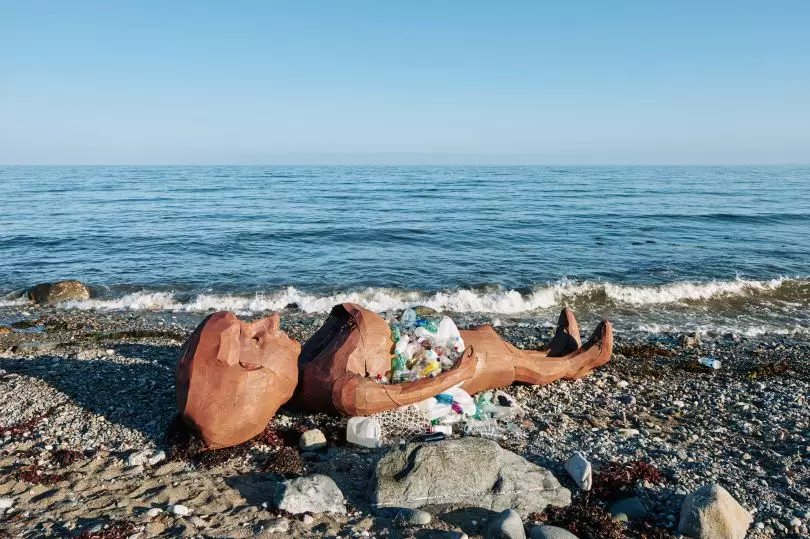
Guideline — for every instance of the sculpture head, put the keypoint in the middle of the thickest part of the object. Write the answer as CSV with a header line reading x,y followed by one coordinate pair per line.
x,y
233,376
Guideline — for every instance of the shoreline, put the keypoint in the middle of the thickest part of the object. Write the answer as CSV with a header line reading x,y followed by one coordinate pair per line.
x,y
99,386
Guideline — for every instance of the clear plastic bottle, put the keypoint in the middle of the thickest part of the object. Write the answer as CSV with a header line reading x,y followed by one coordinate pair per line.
x,y
408,319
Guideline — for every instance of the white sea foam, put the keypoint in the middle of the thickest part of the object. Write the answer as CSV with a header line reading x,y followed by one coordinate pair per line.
x,y
498,301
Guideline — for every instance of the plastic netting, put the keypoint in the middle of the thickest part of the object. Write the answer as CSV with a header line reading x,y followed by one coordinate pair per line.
x,y
404,423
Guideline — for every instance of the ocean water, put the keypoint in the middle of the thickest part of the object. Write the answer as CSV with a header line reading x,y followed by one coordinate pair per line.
x,y
653,248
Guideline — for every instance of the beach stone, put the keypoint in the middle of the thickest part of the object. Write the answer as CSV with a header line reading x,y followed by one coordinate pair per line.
x,y
423,311
6,503
312,494
711,512
153,512
4,330
550,532
689,340
468,472
50,293
580,470
628,509
307,519
312,440
147,456
35,346
267,527
179,510
416,517
506,525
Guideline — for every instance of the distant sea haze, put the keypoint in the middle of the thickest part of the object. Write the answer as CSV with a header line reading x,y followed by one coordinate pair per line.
x,y
654,248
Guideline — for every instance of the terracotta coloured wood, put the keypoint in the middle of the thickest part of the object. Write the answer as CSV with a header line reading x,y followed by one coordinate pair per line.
x,y
339,363
232,377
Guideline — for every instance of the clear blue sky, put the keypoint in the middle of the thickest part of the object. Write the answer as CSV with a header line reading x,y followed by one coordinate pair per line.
x,y
404,82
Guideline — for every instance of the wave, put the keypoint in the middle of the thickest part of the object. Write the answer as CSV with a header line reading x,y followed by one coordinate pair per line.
x,y
487,300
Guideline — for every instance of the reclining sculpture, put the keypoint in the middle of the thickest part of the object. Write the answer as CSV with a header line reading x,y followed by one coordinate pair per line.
x,y
339,364
232,377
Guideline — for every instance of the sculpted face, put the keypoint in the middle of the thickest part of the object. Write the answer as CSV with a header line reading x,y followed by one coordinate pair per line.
x,y
232,377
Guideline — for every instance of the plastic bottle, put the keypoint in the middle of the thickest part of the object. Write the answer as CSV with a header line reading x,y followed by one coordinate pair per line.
x,y
486,429
446,331
431,368
401,348
408,319
444,398
364,431
395,333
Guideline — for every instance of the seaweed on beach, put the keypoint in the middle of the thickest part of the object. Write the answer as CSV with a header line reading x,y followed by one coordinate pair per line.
x,y
66,457
114,530
643,351
769,370
18,429
185,445
284,461
694,367
584,518
139,334
617,481
36,475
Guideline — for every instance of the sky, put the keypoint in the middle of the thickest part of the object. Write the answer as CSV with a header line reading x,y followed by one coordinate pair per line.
x,y
408,82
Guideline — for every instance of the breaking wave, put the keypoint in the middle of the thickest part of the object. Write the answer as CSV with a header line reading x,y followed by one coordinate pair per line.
x,y
487,300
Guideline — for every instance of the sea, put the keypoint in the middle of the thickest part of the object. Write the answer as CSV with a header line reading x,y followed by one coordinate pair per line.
x,y
655,249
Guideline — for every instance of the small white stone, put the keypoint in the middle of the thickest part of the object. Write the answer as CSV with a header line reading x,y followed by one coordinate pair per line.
x,y
180,510
308,519
621,384
312,440
155,511
6,503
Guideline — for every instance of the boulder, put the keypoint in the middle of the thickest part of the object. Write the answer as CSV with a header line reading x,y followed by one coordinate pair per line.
x,y
50,293
311,494
506,525
711,512
468,472
551,532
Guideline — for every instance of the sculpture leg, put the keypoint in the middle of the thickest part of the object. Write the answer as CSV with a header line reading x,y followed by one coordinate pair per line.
x,y
534,367
566,339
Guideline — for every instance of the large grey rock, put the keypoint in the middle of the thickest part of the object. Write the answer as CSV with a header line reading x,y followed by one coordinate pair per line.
x,y
712,513
506,525
550,532
469,472
311,494
50,293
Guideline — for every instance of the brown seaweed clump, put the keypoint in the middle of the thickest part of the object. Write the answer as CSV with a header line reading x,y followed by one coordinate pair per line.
x,y
617,481
185,445
120,529
583,518
36,475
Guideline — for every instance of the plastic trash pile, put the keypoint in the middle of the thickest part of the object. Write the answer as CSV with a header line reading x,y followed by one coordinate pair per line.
x,y
423,348
454,411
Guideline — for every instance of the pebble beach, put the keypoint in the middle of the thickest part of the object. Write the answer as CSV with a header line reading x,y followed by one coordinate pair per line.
x,y
87,413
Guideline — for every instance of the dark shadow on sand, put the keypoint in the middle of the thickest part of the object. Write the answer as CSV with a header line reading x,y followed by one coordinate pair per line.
x,y
139,395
